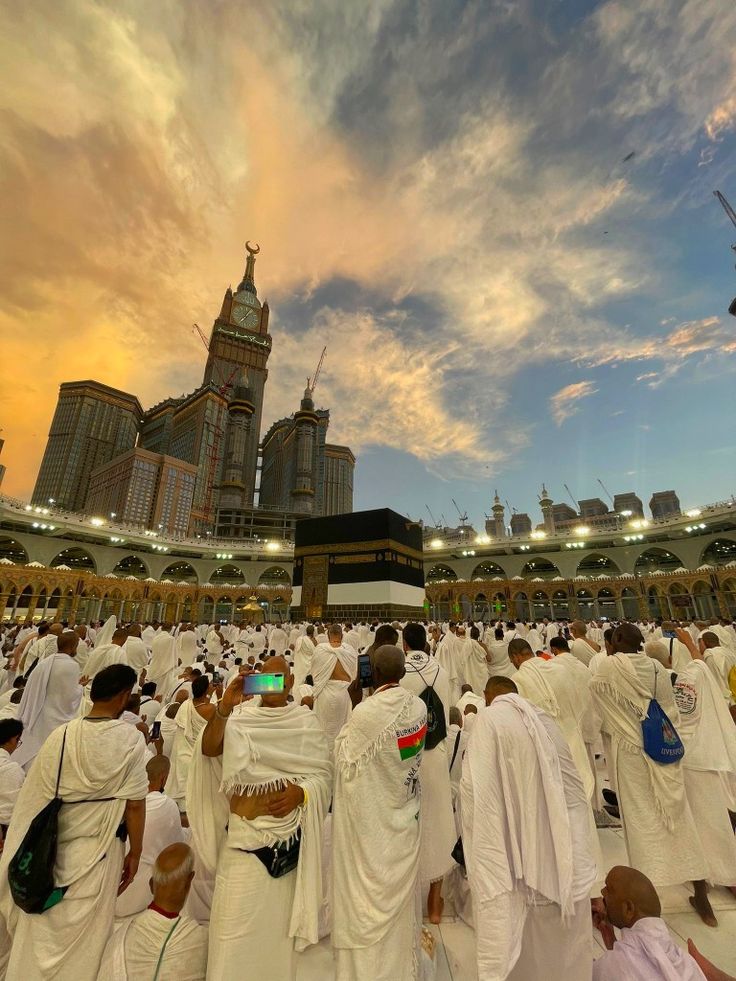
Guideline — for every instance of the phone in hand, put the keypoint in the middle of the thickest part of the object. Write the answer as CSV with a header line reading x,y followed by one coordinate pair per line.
x,y
670,634
156,731
263,684
365,671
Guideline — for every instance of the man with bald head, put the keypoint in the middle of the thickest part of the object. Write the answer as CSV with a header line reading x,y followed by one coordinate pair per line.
x,y
659,829
162,941
163,828
376,829
645,950
259,788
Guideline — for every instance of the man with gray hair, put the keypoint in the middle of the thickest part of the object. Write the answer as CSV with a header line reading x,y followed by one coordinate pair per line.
x,y
162,941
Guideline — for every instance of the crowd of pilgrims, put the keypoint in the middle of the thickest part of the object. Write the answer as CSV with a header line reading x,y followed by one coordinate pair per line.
x,y
209,833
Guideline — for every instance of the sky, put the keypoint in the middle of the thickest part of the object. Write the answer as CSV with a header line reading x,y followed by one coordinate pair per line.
x,y
497,215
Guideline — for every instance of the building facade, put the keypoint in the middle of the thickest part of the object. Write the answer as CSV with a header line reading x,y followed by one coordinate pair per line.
x,y
92,424
216,429
144,489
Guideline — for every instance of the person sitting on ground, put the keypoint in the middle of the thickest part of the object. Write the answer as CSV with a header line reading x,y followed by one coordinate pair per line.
x,y
161,942
645,951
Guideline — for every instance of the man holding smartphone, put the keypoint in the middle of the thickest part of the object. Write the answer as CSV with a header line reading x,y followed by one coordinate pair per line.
x,y
261,834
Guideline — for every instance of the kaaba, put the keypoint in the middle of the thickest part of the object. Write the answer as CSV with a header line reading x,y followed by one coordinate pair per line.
x,y
362,566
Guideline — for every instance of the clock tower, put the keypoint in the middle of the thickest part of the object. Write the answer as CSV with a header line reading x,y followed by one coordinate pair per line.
x,y
239,347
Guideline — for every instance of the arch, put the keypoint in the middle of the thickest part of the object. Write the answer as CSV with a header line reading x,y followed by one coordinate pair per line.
x,y
226,575
560,604
629,604
132,565
719,553
595,564
275,575
520,606
181,572
655,558
728,590
541,606
13,551
541,568
439,572
705,600
487,570
76,558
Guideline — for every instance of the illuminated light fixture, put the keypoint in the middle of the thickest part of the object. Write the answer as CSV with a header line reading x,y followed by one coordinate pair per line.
x,y
693,513
52,527
28,507
539,534
626,514
97,522
582,530
35,524
436,543
271,547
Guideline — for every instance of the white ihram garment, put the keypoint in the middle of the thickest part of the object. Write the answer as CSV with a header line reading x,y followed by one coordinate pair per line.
x,y
332,705
163,668
188,649
376,927
134,950
50,698
163,828
12,776
721,661
303,654
258,920
661,837
709,736
475,667
438,821
102,759
582,650
527,847
136,654
189,724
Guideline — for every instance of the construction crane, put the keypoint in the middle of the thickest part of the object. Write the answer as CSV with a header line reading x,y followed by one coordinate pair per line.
x,y
574,502
732,216
606,491
312,382
435,522
462,515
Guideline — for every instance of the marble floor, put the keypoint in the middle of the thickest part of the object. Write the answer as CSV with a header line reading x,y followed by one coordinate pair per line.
x,y
455,950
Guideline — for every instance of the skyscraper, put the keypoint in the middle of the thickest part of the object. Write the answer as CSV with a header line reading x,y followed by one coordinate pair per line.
x,y
92,424
239,347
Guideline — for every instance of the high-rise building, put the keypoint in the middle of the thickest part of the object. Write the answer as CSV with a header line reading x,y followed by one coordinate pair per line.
x,y
300,471
215,428
92,424
239,347
2,468
592,507
628,502
664,504
145,489
563,513
338,482
521,524
548,516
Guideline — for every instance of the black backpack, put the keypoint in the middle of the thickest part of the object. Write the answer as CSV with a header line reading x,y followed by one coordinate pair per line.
x,y
31,869
436,725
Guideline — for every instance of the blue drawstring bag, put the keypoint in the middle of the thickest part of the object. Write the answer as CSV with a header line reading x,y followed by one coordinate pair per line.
x,y
661,742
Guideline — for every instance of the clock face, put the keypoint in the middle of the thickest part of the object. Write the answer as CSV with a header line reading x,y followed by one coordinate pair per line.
x,y
245,316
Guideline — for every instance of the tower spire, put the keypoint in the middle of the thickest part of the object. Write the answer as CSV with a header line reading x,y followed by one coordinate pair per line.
x,y
248,282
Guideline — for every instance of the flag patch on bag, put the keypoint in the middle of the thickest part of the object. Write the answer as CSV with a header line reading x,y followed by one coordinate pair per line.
x,y
411,743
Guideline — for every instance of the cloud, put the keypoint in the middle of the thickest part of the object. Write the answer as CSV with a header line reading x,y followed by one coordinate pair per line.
x,y
414,157
565,402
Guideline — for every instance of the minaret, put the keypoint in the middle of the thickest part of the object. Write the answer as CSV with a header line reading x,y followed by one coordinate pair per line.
x,y
546,502
240,409
497,526
305,451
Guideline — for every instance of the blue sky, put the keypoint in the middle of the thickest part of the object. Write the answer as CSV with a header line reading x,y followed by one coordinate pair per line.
x,y
442,196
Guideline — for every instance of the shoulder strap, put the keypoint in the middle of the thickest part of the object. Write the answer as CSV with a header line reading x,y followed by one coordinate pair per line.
x,y
455,748
61,760
163,949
